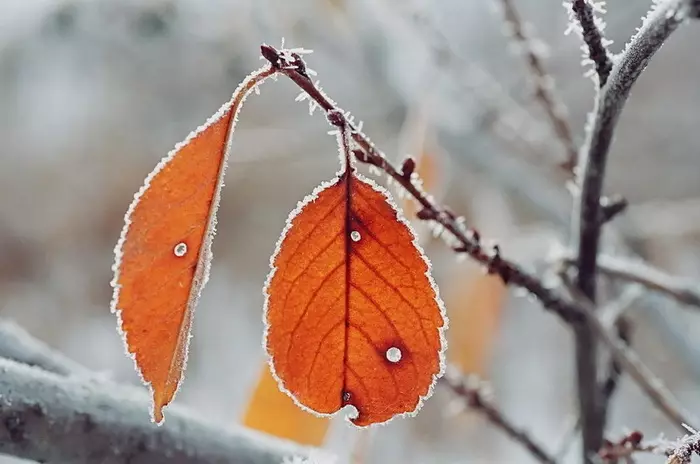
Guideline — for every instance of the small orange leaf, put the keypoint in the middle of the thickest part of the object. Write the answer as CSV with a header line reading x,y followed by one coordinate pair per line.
x,y
353,316
271,411
164,252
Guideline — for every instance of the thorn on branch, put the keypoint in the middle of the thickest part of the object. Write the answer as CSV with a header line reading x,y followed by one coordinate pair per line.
x,y
426,214
495,264
610,207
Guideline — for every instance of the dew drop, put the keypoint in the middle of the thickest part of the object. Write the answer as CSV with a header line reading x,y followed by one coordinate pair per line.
x,y
393,354
180,249
355,236
346,397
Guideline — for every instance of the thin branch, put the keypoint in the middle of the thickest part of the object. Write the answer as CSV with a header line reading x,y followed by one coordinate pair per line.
x,y
591,30
544,84
472,391
463,240
51,418
683,451
611,207
611,315
632,365
642,273
18,345
615,89
655,30
623,328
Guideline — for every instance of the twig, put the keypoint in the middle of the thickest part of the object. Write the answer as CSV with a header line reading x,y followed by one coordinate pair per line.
x,y
471,390
592,34
18,345
463,240
630,362
611,315
544,85
51,418
616,84
623,327
468,241
611,207
648,276
683,451
656,29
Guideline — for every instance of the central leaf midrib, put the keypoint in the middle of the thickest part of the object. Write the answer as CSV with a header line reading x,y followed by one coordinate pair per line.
x,y
348,254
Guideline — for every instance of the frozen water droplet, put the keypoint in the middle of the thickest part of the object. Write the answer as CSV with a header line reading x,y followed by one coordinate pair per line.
x,y
355,236
393,354
180,249
346,396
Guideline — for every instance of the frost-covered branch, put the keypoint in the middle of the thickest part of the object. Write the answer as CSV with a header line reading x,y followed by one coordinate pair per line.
x,y
642,273
623,328
18,345
590,27
656,28
52,418
472,392
543,82
683,451
462,240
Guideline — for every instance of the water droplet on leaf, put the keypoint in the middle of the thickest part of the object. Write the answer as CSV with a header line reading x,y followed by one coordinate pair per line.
x,y
393,354
355,236
180,249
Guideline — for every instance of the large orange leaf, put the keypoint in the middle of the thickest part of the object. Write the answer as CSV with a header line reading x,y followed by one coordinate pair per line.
x,y
353,316
164,252
271,411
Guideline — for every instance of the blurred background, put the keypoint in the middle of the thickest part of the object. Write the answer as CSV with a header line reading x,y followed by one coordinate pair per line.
x,y
94,92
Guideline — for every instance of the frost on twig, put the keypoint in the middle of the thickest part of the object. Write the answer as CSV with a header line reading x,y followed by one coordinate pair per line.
x,y
639,272
576,312
18,345
473,392
583,20
617,83
50,418
684,449
543,81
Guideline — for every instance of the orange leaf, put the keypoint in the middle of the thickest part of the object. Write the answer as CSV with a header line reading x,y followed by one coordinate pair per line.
x,y
353,316
271,411
164,252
